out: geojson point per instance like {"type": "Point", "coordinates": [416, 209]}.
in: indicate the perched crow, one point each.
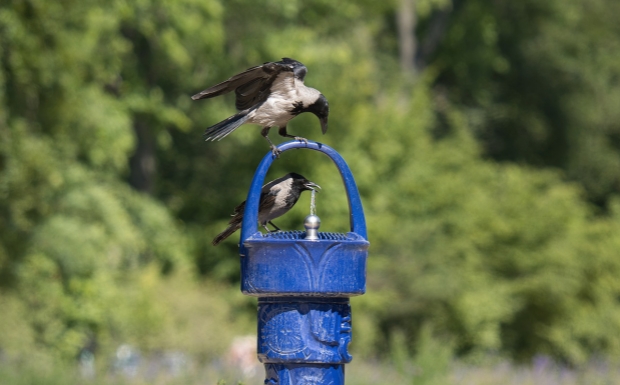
{"type": "Point", "coordinates": [269, 95]}
{"type": "Point", "coordinates": [276, 198]}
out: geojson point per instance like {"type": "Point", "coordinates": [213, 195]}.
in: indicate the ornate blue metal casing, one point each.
{"type": "Point", "coordinates": [304, 316]}
{"type": "Point", "coordinates": [284, 263]}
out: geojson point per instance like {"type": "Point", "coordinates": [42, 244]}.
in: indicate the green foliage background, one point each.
{"type": "Point", "coordinates": [489, 177]}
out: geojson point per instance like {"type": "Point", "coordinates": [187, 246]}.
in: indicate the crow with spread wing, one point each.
{"type": "Point", "coordinates": [268, 95]}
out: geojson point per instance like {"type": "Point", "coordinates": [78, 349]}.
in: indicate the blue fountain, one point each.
{"type": "Point", "coordinates": [303, 281]}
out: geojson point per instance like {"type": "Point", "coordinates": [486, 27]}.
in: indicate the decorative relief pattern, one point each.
{"type": "Point", "coordinates": [279, 267]}
{"type": "Point", "coordinates": [282, 333]}
{"type": "Point", "coordinates": [304, 332]}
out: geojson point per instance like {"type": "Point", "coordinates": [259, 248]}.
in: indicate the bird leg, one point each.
{"type": "Point", "coordinates": [282, 132]}
{"type": "Point", "coordinates": [274, 149]}
{"type": "Point", "coordinates": [272, 224]}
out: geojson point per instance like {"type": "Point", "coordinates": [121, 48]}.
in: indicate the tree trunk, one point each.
{"type": "Point", "coordinates": [142, 164]}
{"type": "Point", "coordinates": [406, 21]}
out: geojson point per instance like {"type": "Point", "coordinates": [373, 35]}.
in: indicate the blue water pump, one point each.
{"type": "Point", "coordinates": [303, 281]}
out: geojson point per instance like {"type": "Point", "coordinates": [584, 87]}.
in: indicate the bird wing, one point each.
{"type": "Point", "coordinates": [239, 209]}
{"type": "Point", "coordinates": [230, 84]}
{"type": "Point", "coordinates": [252, 86]}
{"type": "Point", "coordinates": [267, 201]}
{"type": "Point", "coordinates": [267, 198]}
{"type": "Point", "coordinates": [266, 189]}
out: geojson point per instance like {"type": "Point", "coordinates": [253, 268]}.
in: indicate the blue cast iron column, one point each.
{"type": "Point", "coordinates": [303, 286]}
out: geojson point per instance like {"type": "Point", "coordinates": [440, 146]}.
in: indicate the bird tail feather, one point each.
{"type": "Point", "coordinates": [222, 129]}
{"type": "Point", "coordinates": [233, 225]}
{"type": "Point", "coordinates": [225, 234]}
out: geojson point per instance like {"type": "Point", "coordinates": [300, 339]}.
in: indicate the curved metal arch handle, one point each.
{"type": "Point", "coordinates": [249, 226]}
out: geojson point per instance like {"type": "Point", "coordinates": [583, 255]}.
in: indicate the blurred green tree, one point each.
{"type": "Point", "coordinates": [105, 178]}
{"type": "Point", "coordinates": [497, 258]}
{"type": "Point", "coordinates": [71, 230]}
{"type": "Point", "coordinates": [539, 84]}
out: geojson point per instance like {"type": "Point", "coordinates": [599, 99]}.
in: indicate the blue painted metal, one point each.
{"type": "Point", "coordinates": [304, 316]}
{"type": "Point", "coordinates": [356, 212]}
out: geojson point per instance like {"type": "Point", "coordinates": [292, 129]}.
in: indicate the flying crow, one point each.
{"type": "Point", "coordinates": [269, 95]}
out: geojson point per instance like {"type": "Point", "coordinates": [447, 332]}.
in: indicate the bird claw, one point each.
{"type": "Point", "coordinates": [301, 139]}
{"type": "Point", "coordinates": [275, 151]}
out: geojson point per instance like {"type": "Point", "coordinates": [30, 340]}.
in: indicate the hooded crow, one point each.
{"type": "Point", "coordinates": [269, 95]}
{"type": "Point", "coordinates": [276, 199]}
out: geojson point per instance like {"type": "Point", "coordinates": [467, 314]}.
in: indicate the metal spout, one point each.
{"type": "Point", "coordinates": [312, 221]}
{"type": "Point", "coordinates": [312, 224]}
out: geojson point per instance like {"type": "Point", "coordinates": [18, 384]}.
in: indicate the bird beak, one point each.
{"type": "Point", "coordinates": [312, 186]}
{"type": "Point", "coordinates": [323, 124]}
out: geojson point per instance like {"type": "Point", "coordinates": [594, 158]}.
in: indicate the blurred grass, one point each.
{"type": "Point", "coordinates": [359, 372]}
{"type": "Point", "coordinates": [431, 363]}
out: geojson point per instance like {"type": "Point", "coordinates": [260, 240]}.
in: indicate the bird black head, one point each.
{"type": "Point", "coordinates": [320, 108]}
{"type": "Point", "coordinates": [303, 184]}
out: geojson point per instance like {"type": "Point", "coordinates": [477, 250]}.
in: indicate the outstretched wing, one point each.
{"type": "Point", "coordinates": [231, 84]}
{"type": "Point", "coordinates": [253, 85]}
